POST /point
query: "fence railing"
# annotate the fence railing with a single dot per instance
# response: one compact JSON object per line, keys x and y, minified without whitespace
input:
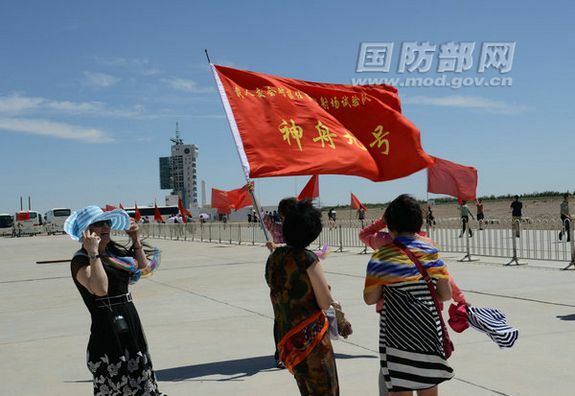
{"x":536,"y":239}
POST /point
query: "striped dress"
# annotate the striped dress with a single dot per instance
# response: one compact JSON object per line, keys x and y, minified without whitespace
{"x":410,"y":338}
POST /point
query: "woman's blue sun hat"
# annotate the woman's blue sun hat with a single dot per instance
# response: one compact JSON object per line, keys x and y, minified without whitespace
{"x":80,"y":220}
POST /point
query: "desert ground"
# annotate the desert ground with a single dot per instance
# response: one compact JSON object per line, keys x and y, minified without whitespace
{"x":534,"y":208}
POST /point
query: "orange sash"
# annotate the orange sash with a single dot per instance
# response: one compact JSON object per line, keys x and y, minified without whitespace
{"x":298,"y":343}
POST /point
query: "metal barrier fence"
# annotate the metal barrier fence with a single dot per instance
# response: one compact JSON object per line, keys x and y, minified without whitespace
{"x":536,"y":239}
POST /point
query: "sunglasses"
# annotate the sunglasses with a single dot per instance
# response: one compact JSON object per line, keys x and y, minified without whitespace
{"x":102,"y":223}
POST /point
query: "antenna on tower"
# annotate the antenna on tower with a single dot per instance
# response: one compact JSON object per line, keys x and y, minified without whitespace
{"x":177,"y":139}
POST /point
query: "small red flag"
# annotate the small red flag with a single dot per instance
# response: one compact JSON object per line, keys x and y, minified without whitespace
{"x":122,"y":206}
{"x":236,"y":199}
{"x":183,"y":211}
{"x":157,"y":215}
{"x":109,"y":208}
{"x":356,"y":203}
{"x":446,"y":177}
{"x":137,"y":215}
{"x":286,"y":127}
{"x":22,"y":216}
{"x":310,"y":190}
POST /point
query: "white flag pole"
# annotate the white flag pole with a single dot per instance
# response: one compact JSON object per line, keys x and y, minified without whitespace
{"x":238,"y":141}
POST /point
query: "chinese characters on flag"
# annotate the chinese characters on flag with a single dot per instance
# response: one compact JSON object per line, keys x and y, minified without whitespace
{"x":286,"y":127}
{"x":446,"y":177}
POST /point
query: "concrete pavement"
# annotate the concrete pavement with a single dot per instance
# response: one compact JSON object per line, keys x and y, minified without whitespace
{"x":208,"y":320}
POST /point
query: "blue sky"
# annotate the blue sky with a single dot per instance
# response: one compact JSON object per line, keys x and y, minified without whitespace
{"x":91,"y":91}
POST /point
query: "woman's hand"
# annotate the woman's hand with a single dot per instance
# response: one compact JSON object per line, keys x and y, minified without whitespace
{"x":133,"y":230}
{"x":90,"y":241}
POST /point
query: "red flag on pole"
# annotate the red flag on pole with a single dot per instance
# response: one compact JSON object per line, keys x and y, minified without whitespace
{"x":157,"y":215}
{"x":183,"y":211}
{"x":356,"y":203}
{"x":311,"y":189}
{"x":284,"y":127}
{"x":109,"y":208}
{"x":446,"y":177}
{"x":137,"y":215}
{"x":122,"y":206}
{"x":233,"y":199}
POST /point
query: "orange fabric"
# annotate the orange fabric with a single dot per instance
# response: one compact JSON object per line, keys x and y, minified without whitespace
{"x":446,"y":177}
{"x":356,"y":203}
{"x":157,"y":216}
{"x":236,"y":199}
{"x":295,"y":127}
{"x":311,"y":189}
{"x":288,"y":354}
{"x":183,"y":211}
{"x":137,"y":215}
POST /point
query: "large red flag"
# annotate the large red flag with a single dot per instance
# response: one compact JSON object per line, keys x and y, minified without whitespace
{"x":283,"y":126}
{"x":356,"y":203}
{"x":311,"y":189}
{"x":157,"y":215}
{"x":446,"y":177}
{"x":137,"y":215}
{"x":183,"y":211}
{"x":233,"y":199}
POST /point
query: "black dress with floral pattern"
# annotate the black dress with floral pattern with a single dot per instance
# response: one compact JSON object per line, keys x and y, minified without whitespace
{"x":118,"y":360}
{"x":293,"y":302}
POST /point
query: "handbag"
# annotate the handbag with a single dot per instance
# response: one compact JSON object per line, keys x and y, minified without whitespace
{"x":448,"y":346}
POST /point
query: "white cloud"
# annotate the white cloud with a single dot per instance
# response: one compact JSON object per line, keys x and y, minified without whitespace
{"x":473,"y":102}
{"x":18,"y":104}
{"x":55,"y":129}
{"x":185,"y":85}
{"x":100,"y":80}
{"x":15,"y":104}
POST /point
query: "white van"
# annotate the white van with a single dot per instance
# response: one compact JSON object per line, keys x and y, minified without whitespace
{"x":6,"y":224}
{"x":28,"y":222}
{"x":54,"y":220}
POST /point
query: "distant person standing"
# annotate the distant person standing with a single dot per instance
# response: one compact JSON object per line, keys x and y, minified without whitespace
{"x":565,"y":218}
{"x":465,"y":214}
{"x":331,"y":216}
{"x":429,"y":218}
{"x":516,"y":214}
{"x":480,"y":215}
{"x":361,"y":216}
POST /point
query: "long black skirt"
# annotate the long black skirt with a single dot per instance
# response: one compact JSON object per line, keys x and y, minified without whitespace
{"x":118,"y":354}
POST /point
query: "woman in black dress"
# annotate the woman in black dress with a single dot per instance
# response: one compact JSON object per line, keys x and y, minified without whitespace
{"x":117,"y":352}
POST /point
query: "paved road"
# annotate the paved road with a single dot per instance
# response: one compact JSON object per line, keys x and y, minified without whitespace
{"x":208,"y":321}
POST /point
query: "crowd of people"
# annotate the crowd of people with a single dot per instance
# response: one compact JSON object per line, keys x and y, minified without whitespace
{"x":406,"y":279}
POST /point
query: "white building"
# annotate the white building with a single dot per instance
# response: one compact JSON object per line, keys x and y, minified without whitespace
{"x":179,"y":171}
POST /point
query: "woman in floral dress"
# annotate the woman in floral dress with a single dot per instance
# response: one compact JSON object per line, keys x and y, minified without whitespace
{"x":299,"y":293}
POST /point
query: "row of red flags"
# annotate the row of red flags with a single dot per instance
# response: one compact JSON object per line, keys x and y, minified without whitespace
{"x":287,"y":127}
{"x":185,"y":213}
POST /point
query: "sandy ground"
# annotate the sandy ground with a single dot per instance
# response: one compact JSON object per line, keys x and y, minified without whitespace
{"x":545,"y":207}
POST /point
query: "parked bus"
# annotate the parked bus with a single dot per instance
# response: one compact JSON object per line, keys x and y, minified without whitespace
{"x":6,"y":224}
{"x":54,"y":220}
{"x":28,"y":222}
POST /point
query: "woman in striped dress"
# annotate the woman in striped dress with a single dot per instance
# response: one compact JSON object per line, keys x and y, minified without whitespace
{"x":410,"y":336}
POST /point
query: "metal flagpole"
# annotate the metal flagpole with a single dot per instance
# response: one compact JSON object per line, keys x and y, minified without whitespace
{"x":235,"y":133}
